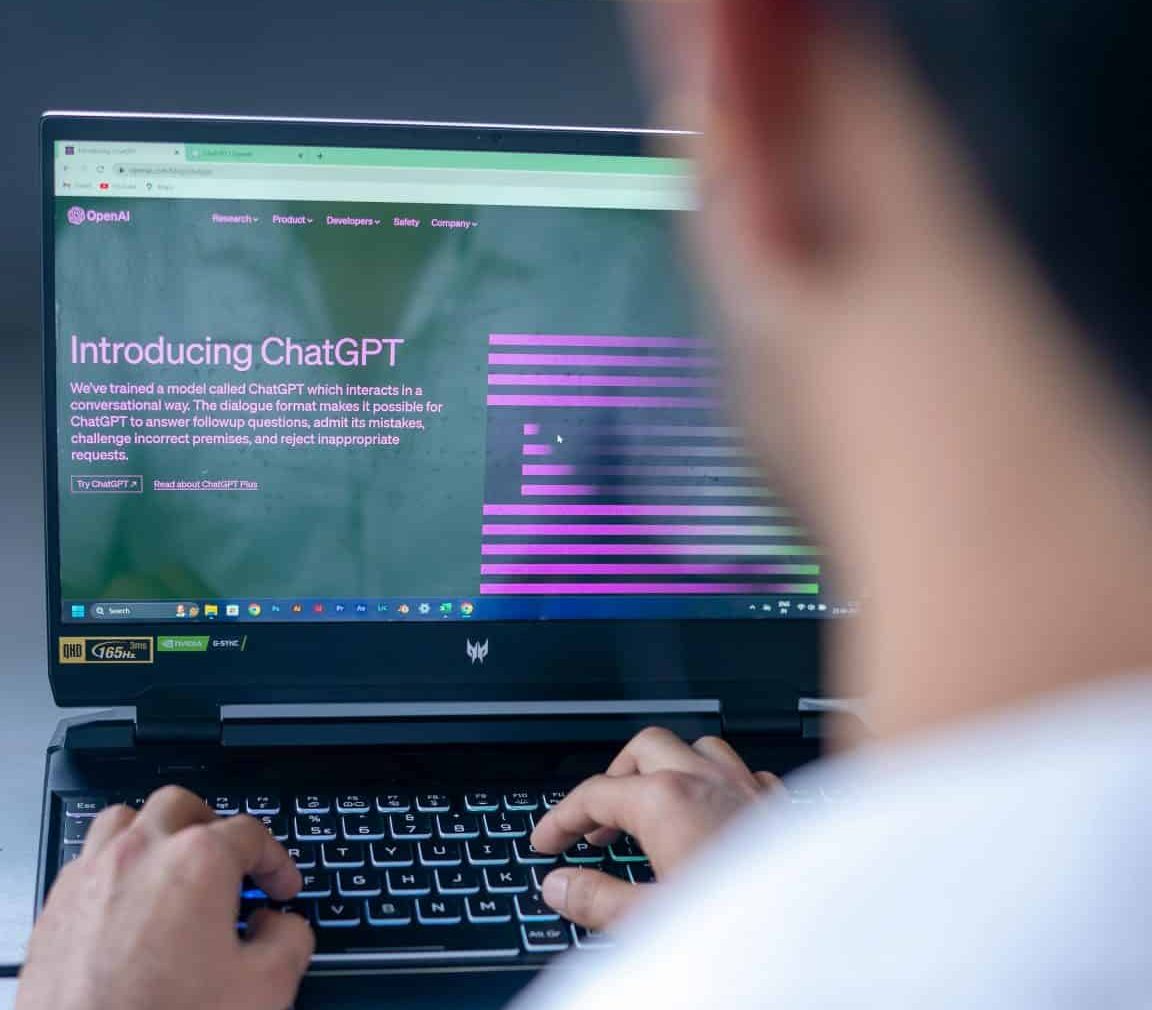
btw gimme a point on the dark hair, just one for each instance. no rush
(1053, 98)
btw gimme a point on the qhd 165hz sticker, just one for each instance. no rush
(106, 650)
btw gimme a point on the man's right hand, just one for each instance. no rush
(671, 797)
(146, 917)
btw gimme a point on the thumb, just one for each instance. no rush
(588, 897)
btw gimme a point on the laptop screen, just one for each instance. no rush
(301, 384)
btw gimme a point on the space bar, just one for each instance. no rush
(416, 943)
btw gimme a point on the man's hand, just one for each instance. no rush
(667, 795)
(146, 917)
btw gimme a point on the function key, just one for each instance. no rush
(482, 802)
(554, 796)
(315, 827)
(135, 800)
(545, 936)
(433, 803)
(389, 912)
(340, 912)
(508, 825)
(393, 803)
(262, 803)
(313, 803)
(83, 806)
(353, 803)
(342, 855)
(225, 804)
(584, 852)
(520, 801)
(457, 825)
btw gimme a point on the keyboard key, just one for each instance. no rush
(488, 853)
(486, 908)
(410, 826)
(584, 852)
(458, 825)
(315, 827)
(341, 913)
(537, 874)
(353, 803)
(277, 825)
(389, 911)
(363, 827)
(617, 870)
(590, 938)
(225, 804)
(358, 883)
(135, 800)
(520, 801)
(543, 936)
(440, 853)
(342, 855)
(626, 850)
(527, 853)
(553, 797)
(409, 883)
(317, 884)
(69, 854)
(393, 803)
(83, 806)
(392, 854)
(506, 825)
(303, 855)
(462, 881)
(481, 803)
(641, 873)
(76, 828)
(262, 803)
(439, 911)
(433, 803)
(531, 908)
(417, 943)
(313, 803)
(511, 880)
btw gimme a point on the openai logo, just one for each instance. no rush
(75, 215)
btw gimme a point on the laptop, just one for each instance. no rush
(391, 486)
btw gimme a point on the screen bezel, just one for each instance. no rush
(758, 665)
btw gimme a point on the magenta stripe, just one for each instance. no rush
(641, 568)
(631, 510)
(561, 490)
(593, 360)
(599, 588)
(631, 529)
(567, 379)
(547, 470)
(531, 429)
(569, 340)
(641, 470)
(562, 400)
(536, 449)
(722, 549)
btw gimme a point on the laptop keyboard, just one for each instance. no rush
(399, 876)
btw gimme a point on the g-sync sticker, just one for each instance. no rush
(105, 650)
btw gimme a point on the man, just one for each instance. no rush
(923, 224)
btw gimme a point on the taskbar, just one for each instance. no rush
(519, 608)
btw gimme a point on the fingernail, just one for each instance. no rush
(555, 890)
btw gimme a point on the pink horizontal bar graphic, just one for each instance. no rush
(631, 360)
(561, 490)
(655, 509)
(531, 429)
(632, 530)
(537, 449)
(656, 550)
(641, 568)
(564, 400)
(638, 470)
(571, 340)
(547, 469)
(568, 379)
(647, 588)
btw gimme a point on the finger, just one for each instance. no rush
(107, 826)
(588, 897)
(653, 749)
(770, 783)
(258, 855)
(172, 809)
(276, 954)
(721, 754)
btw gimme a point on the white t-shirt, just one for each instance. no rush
(1007, 863)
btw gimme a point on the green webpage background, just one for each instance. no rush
(367, 522)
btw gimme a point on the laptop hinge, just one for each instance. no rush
(173, 722)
